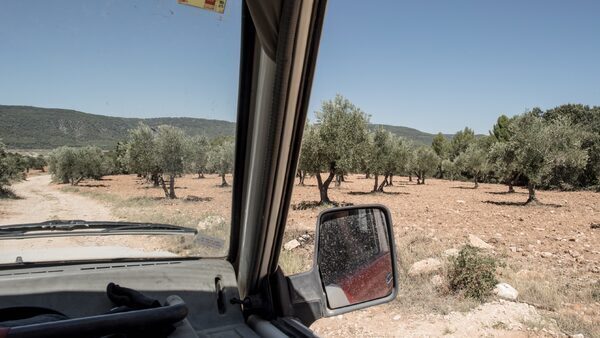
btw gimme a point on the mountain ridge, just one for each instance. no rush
(29, 127)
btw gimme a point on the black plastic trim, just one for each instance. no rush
(248, 44)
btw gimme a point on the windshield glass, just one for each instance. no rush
(116, 116)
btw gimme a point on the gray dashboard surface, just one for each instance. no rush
(80, 290)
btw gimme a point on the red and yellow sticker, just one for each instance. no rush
(211, 5)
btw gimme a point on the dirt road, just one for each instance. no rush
(39, 201)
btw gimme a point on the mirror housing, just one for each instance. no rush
(354, 264)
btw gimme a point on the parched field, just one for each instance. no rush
(549, 253)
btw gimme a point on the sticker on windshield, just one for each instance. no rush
(208, 241)
(211, 5)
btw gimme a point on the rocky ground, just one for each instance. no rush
(550, 253)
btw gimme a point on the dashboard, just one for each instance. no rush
(207, 287)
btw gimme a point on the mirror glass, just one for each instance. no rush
(354, 256)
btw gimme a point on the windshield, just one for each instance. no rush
(117, 123)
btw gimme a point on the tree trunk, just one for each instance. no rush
(367, 176)
(200, 175)
(324, 186)
(156, 178)
(76, 181)
(163, 185)
(383, 184)
(338, 180)
(511, 188)
(511, 183)
(223, 181)
(376, 183)
(172, 187)
(532, 198)
(410, 177)
(391, 180)
(476, 183)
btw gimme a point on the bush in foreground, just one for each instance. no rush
(472, 273)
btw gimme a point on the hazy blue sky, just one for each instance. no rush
(431, 65)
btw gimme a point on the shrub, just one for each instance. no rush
(10, 170)
(472, 273)
(71, 165)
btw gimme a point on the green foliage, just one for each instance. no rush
(198, 154)
(10, 169)
(540, 148)
(119, 159)
(342, 130)
(472, 273)
(336, 143)
(586, 119)
(441, 146)
(221, 157)
(71, 165)
(473, 161)
(141, 151)
(461, 141)
(424, 163)
(171, 150)
(385, 155)
(500, 131)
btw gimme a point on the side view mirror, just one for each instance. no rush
(354, 264)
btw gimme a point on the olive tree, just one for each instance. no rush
(171, 152)
(379, 153)
(473, 161)
(72, 165)
(539, 147)
(336, 142)
(221, 157)
(141, 153)
(424, 163)
(460, 142)
(9, 170)
(388, 155)
(199, 147)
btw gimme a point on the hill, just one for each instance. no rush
(25, 127)
(415, 135)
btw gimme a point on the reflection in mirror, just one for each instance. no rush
(354, 256)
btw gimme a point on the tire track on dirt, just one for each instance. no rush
(39, 201)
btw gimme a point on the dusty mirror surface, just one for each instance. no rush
(354, 257)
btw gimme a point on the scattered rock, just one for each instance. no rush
(425, 266)
(397, 317)
(479, 243)
(291, 244)
(578, 335)
(504, 290)
(546, 254)
(574, 253)
(460, 201)
(513, 248)
(437, 280)
(595, 226)
(209, 222)
(452, 252)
